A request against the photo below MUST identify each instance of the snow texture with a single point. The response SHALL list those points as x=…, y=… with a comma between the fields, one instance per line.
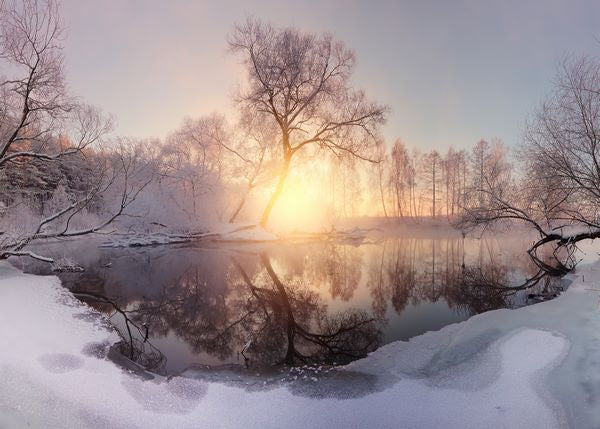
x=220, y=233
x=235, y=233
x=533, y=367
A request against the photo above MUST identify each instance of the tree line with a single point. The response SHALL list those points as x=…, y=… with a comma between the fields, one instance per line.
x=415, y=184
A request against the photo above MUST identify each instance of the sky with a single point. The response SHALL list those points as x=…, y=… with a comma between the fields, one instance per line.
x=452, y=72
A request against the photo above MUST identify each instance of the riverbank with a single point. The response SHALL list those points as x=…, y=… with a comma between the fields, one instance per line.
x=235, y=233
x=531, y=367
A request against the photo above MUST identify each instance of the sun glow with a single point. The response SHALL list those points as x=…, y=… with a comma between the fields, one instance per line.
x=305, y=203
x=313, y=198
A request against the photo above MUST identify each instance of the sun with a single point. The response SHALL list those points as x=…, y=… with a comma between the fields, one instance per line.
x=305, y=203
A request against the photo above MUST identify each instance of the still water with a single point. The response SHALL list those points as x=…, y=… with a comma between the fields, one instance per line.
x=252, y=305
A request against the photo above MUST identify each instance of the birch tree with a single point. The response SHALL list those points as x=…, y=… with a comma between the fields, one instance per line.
x=401, y=177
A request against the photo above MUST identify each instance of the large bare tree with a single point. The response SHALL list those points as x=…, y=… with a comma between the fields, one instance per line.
x=301, y=81
x=40, y=122
x=33, y=98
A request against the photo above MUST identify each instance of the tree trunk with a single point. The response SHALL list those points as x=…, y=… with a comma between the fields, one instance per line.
x=291, y=322
x=452, y=193
x=381, y=191
x=413, y=205
x=241, y=204
x=399, y=201
x=278, y=190
x=433, y=174
x=447, y=193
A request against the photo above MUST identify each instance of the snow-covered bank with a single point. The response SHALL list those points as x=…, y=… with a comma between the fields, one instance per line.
x=531, y=367
x=221, y=233
x=234, y=233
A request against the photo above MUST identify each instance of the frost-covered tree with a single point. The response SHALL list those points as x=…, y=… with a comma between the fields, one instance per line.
x=46, y=136
x=432, y=177
x=489, y=168
x=192, y=164
x=35, y=105
x=559, y=191
x=301, y=83
x=401, y=175
x=252, y=156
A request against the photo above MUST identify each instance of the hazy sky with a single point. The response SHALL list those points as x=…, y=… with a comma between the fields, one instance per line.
x=452, y=71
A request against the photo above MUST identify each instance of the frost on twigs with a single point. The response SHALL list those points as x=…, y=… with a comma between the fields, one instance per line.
x=66, y=265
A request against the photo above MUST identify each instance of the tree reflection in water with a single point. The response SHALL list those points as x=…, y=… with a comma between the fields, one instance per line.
x=134, y=342
x=320, y=303
x=412, y=271
x=280, y=321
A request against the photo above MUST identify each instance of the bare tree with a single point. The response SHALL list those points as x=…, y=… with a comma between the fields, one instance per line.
x=205, y=150
x=460, y=181
x=121, y=172
x=191, y=161
x=252, y=156
x=401, y=176
x=33, y=97
x=432, y=176
x=414, y=163
x=40, y=121
x=301, y=82
x=489, y=168
x=559, y=193
x=382, y=161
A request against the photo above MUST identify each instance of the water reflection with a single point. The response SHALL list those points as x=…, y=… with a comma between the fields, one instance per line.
x=296, y=304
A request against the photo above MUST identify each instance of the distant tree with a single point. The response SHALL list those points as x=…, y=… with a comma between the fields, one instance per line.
x=461, y=180
x=192, y=161
x=414, y=169
x=432, y=176
x=382, y=162
x=478, y=158
x=214, y=149
x=489, y=168
x=301, y=82
x=401, y=177
x=448, y=173
x=347, y=187
x=454, y=178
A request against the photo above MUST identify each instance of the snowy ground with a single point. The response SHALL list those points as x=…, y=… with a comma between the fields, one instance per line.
x=535, y=367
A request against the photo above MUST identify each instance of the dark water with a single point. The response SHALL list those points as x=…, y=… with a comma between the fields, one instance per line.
x=292, y=303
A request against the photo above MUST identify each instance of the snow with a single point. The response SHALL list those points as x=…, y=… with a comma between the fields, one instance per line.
x=219, y=233
x=249, y=233
x=154, y=239
x=352, y=235
x=238, y=233
x=531, y=367
x=572, y=230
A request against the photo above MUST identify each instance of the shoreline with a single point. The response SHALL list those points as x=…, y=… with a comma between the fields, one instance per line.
x=434, y=364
